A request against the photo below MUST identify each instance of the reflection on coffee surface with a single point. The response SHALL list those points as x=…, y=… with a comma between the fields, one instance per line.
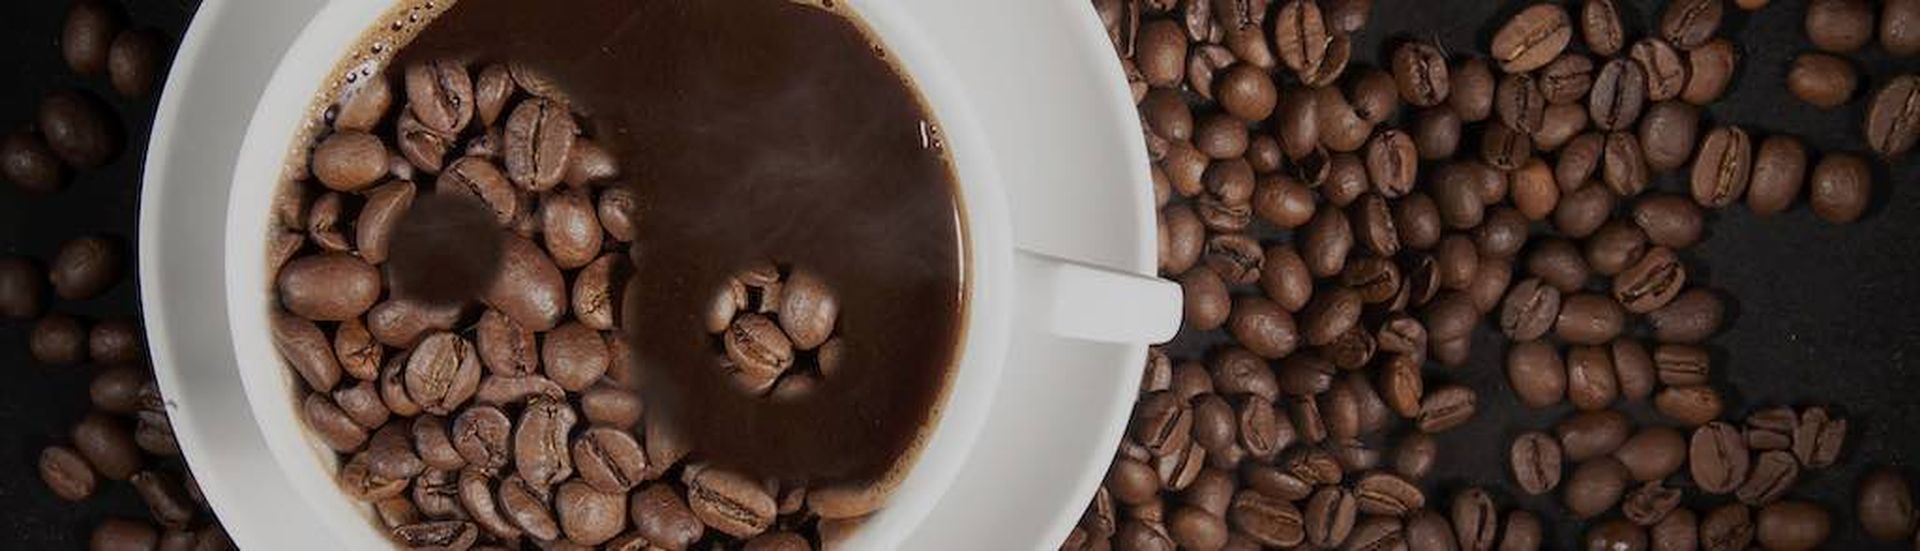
x=730, y=279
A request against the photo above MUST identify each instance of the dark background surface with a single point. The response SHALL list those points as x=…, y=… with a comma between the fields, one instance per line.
x=1820, y=314
x=39, y=403
x=1824, y=314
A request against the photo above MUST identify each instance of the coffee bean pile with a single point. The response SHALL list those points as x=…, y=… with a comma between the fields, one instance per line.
x=1343, y=225
x=776, y=331
x=127, y=436
x=511, y=420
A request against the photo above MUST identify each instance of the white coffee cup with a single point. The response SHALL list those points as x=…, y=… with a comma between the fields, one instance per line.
x=1061, y=239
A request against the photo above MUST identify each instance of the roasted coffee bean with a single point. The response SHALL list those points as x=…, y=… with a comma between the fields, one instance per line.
x=1679, y=531
x=1331, y=313
x=1445, y=408
x=1246, y=92
x=1666, y=70
x=1339, y=53
x=1535, y=461
x=1532, y=38
x=1717, y=457
x=1387, y=494
x=87, y=34
x=1594, y=487
x=1213, y=422
x=1535, y=371
x=435, y=447
x=1428, y=529
x=1822, y=80
x=481, y=436
x=1420, y=72
x=1668, y=133
x=1624, y=166
x=1619, y=94
x=1771, y=428
x=1236, y=258
x=1616, y=534
x=1591, y=434
x=1329, y=516
x=440, y=95
x=1773, y=473
x=1725, y=164
x=1206, y=299
x=166, y=500
x=1392, y=162
x=1327, y=239
x=1471, y=86
x=1436, y=133
x=589, y=516
x=1267, y=520
x=1710, y=69
x=68, y=475
x=1839, y=26
x=1559, y=124
x=1502, y=234
x=1278, y=199
x=1300, y=36
x=1601, y=28
x=133, y=62
x=1505, y=148
x=1689, y=405
x=58, y=340
x=1650, y=283
x=1652, y=453
x=1183, y=232
x=326, y=287
x=1194, y=528
x=28, y=162
x=1529, y=310
x=540, y=442
x=85, y=267
x=1374, y=94
x=1670, y=220
x=1475, y=520
x=1567, y=79
x=1533, y=191
x=1456, y=196
x=1650, y=503
x=1557, y=263
x=1779, y=171
x=1615, y=246
x=1729, y=526
x=1591, y=382
x=1583, y=211
x=79, y=128
x=1817, y=439
x=1690, y=318
x=1163, y=422
x=117, y=389
x=362, y=402
x=1414, y=456
x=1899, y=21
x=1341, y=129
x=1689, y=24
x=1840, y=187
x=1297, y=116
x=442, y=373
x=1579, y=160
x=1587, y=318
x=1792, y=525
x=540, y=136
x=1222, y=137
x=1519, y=103
x=1680, y=364
x=1376, y=279
x=1523, y=532
x=1884, y=505
x=1635, y=368
x=118, y=534
x=107, y=445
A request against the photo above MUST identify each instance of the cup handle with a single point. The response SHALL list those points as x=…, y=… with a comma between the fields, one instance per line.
x=1081, y=301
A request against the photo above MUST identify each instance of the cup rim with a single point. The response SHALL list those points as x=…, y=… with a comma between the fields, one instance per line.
x=272, y=391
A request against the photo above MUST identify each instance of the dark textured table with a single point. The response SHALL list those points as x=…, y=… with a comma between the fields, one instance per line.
x=39, y=403
x=1824, y=314
x=1821, y=314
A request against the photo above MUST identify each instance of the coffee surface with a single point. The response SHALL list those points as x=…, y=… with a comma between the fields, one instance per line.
x=755, y=130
